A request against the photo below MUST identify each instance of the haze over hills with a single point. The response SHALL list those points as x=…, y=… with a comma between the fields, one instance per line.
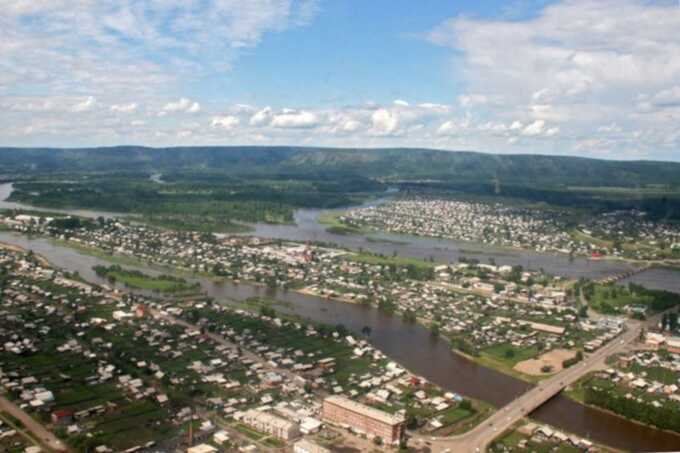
x=395, y=164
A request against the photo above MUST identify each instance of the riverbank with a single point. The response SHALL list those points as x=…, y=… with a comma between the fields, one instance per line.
x=576, y=393
x=168, y=284
x=15, y=248
x=333, y=220
x=496, y=362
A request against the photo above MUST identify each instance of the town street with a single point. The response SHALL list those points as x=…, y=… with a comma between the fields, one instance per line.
x=41, y=433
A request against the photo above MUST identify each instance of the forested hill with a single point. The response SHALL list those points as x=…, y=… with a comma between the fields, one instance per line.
x=390, y=164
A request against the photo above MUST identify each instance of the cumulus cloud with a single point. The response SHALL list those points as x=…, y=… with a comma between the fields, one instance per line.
x=577, y=63
x=262, y=117
x=182, y=105
x=228, y=122
x=384, y=122
x=448, y=128
x=124, y=108
x=295, y=119
x=533, y=129
x=470, y=100
x=85, y=105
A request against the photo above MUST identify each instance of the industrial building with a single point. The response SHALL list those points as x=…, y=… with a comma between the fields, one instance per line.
x=370, y=421
x=271, y=424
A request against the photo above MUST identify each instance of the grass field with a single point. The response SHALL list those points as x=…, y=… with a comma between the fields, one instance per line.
x=498, y=358
x=612, y=299
x=333, y=224
x=386, y=261
x=143, y=281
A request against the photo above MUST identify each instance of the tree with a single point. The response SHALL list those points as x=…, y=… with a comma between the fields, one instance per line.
x=267, y=311
x=366, y=331
x=411, y=420
x=434, y=329
x=409, y=316
x=341, y=330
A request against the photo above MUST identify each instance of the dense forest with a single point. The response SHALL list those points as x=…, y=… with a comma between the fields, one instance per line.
x=327, y=163
x=218, y=188
x=194, y=201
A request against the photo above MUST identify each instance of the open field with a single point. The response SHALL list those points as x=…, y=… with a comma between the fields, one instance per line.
x=552, y=359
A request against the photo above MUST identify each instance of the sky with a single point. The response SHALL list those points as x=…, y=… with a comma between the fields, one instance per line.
x=595, y=78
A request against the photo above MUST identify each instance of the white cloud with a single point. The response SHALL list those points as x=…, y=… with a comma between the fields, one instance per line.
x=516, y=125
x=551, y=132
x=401, y=103
x=471, y=100
x=124, y=108
x=350, y=126
x=228, y=122
x=447, y=128
x=112, y=48
x=441, y=108
x=182, y=105
x=262, y=117
x=294, y=119
x=533, y=129
x=579, y=64
x=384, y=122
x=84, y=106
x=610, y=128
x=668, y=98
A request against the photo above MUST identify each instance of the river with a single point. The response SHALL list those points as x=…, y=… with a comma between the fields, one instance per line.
x=410, y=344
x=307, y=228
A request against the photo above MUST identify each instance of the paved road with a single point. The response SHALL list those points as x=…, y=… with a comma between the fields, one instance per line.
x=41, y=434
x=481, y=436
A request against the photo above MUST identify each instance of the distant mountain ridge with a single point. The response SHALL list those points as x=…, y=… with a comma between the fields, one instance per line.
x=385, y=163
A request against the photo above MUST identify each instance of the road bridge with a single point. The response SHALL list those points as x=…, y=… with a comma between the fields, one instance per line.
x=482, y=435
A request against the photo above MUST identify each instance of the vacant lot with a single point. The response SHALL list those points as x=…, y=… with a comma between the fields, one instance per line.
x=552, y=359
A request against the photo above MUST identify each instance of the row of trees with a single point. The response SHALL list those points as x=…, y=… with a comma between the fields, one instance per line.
x=665, y=417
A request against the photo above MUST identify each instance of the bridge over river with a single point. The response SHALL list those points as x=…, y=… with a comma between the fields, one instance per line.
x=481, y=436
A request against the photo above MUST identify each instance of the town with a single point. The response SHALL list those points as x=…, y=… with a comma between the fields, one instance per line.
x=522, y=322
x=110, y=371
x=622, y=234
x=210, y=376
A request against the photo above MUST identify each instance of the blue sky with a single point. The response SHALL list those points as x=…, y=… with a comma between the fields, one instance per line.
x=597, y=78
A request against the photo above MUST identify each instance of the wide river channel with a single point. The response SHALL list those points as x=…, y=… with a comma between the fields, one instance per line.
x=409, y=344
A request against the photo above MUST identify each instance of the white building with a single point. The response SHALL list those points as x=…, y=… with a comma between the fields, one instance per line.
x=271, y=424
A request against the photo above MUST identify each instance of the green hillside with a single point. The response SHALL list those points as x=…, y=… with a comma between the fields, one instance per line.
x=387, y=164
